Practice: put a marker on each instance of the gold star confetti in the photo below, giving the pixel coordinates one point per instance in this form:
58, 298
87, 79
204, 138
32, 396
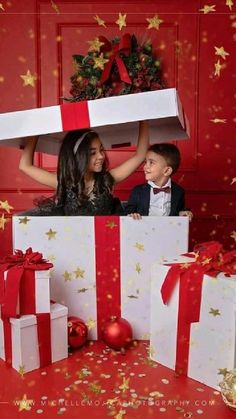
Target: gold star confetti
51, 234
24, 220
218, 121
95, 388
110, 224
233, 235
95, 44
110, 402
139, 246
218, 68
207, 9
55, 7
214, 311
79, 273
125, 385
5, 206
67, 276
121, 21
99, 21
223, 371
233, 181
29, 79
99, 62
1, 7
3, 221
25, 404
91, 324
229, 3
154, 22
138, 268
21, 370
120, 414
221, 52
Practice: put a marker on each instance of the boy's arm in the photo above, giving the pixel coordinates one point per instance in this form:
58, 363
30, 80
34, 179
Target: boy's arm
132, 204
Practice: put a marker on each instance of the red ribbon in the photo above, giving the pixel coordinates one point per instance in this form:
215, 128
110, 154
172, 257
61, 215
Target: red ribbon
211, 260
75, 115
20, 281
107, 242
124, 46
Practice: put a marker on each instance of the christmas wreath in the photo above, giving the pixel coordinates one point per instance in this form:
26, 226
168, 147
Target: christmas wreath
119, 67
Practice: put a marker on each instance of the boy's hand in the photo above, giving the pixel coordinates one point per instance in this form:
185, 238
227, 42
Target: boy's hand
135, 216
186, 213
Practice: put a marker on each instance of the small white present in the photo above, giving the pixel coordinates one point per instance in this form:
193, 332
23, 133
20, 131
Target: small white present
32, 342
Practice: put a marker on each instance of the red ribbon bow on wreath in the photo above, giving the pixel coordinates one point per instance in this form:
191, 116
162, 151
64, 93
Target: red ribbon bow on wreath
123, 46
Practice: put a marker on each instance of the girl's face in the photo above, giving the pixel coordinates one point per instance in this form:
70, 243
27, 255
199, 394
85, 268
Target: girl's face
156, 168
97, 156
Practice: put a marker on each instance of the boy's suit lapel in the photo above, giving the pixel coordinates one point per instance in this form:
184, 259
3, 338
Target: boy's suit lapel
146, 198
174, 198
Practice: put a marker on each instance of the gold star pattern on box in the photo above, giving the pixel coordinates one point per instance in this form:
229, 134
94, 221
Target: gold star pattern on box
99, 21
3, 221
91, 324
82, 290
138, 267
154, 22
29, 79
110, 224
5, 206
95, 44
218, 67
79, 273
24, 220
121, 21
229, 3
51, 234
21, 370
214, 311
208, 8
223, 371
99, 62
25, 404
67, 276
139, 246
221, 52
218, 121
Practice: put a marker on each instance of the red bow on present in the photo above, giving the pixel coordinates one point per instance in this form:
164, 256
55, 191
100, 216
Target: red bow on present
210, 260
123, 46
21, 269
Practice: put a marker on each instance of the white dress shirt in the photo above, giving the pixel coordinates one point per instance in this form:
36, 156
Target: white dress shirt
160, 203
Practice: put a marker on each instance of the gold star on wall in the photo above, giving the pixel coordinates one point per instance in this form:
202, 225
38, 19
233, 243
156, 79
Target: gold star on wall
233, 235
214, 311
121, 21
218, 68
110, 224
221, 52
154, 22
55, 7
5, 206
3, 221
51, 234
95, 44
91, 324
207, 9
99, 21
25, 404
100, 61
233, 181
67, 276
79, 273
218, 121
139, 246
1, 7
29, 79
229, 3
24, 220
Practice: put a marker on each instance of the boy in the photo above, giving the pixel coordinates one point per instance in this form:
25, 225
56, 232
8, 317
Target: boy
160, 195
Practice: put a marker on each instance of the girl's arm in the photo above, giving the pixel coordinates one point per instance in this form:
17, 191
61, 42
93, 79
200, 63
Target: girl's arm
129, 166
27, 165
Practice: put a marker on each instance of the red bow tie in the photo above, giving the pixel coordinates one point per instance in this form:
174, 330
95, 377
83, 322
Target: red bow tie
157, 190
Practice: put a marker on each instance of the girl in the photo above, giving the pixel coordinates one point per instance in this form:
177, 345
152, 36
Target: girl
83, 182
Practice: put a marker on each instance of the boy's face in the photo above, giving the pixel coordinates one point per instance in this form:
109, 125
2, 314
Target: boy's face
156, 168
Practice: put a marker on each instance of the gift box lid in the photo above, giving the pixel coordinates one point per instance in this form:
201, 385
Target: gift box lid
114, 118
56, 311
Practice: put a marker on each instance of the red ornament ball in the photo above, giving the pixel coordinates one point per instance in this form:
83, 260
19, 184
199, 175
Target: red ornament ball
77, 332
117, 333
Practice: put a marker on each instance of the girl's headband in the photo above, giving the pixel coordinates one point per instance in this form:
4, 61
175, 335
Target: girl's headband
79, 141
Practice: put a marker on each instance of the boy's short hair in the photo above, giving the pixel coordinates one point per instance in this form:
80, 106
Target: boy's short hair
169, 152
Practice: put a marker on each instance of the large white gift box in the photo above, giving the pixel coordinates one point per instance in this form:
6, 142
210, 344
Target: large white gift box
24, 339
211, 345
102, 264
114, 118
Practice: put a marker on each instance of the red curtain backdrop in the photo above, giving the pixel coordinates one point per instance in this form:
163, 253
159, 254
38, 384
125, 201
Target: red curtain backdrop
41, 36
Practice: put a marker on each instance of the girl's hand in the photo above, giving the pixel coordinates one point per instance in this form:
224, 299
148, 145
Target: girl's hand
135, 216
186, 213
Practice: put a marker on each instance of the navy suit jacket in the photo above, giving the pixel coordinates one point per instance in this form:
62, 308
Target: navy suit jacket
139, 199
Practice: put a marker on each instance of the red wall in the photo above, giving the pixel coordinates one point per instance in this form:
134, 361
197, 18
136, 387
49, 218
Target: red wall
35, 37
